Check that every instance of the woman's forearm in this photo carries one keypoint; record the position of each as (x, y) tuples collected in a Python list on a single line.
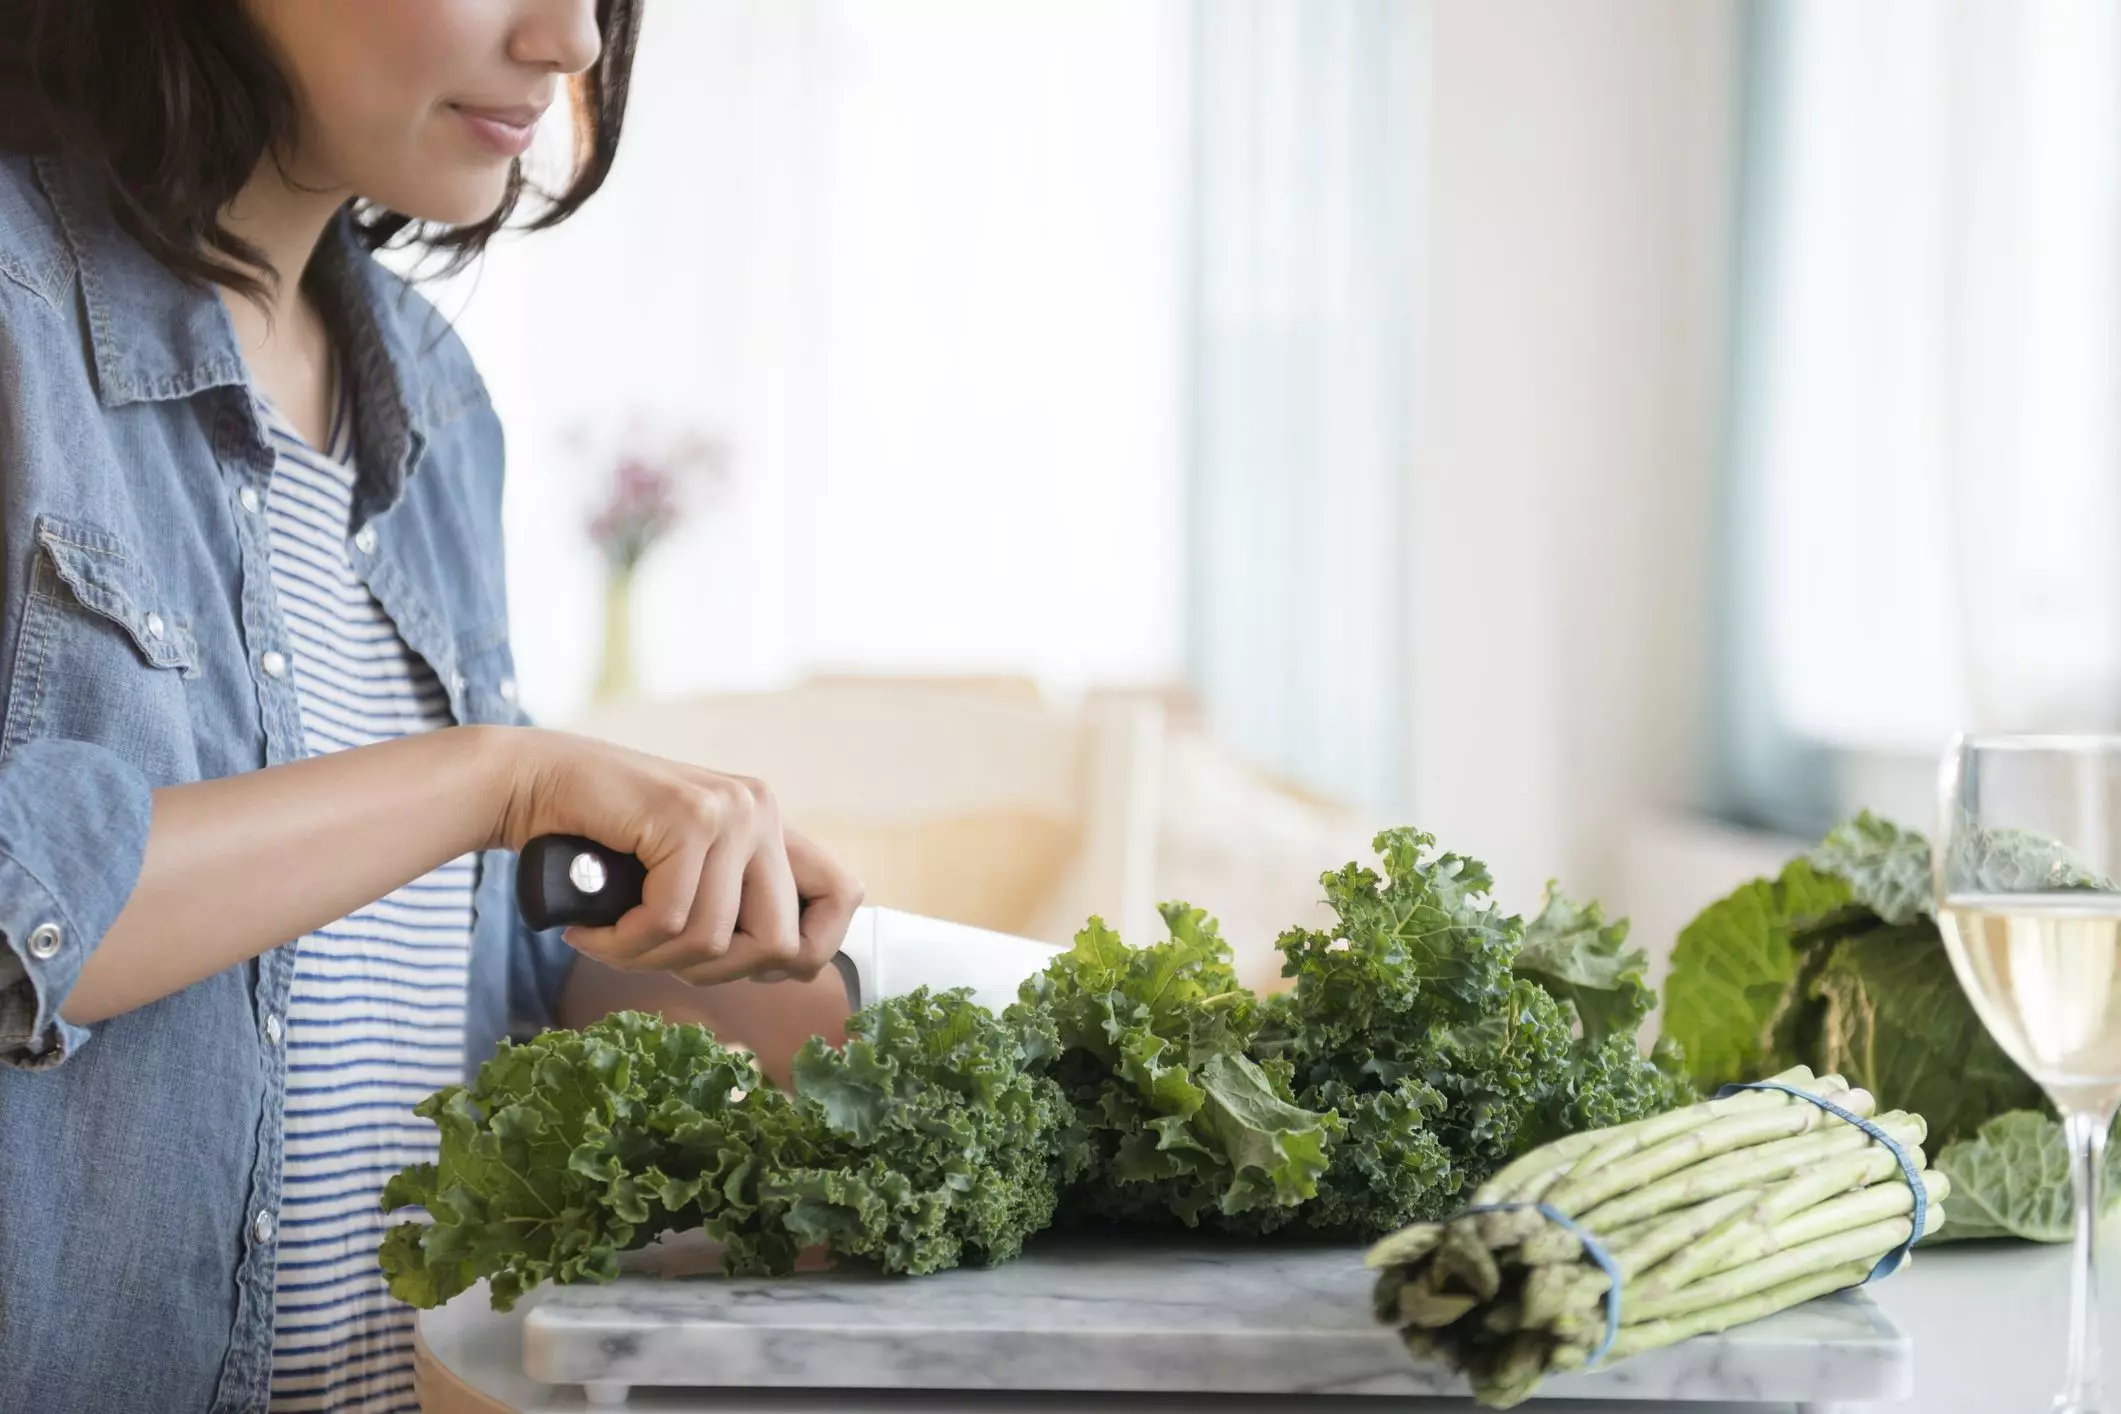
[(242, 864)]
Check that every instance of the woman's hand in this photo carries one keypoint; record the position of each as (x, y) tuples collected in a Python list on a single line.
[(731, 892)]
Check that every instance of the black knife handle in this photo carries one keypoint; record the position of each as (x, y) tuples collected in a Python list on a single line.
[(566, 879)]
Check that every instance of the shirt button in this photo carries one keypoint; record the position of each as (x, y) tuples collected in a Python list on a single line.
[(44, 942), (508, 689), (272, 1027), (154, 626), (274, 662), (249, 497), (261, 1226), (365, 539), (456, 684)]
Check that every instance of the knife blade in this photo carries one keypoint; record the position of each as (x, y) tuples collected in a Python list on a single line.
[(562, 880)]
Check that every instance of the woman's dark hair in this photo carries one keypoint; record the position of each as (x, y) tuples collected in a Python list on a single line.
[(174, 102)]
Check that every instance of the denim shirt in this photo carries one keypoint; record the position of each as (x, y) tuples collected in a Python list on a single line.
[(140, 1157)]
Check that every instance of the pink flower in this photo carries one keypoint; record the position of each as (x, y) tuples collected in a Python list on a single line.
[(643, 496)]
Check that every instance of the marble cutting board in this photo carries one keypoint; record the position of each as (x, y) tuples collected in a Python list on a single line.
[(1164, 1316)]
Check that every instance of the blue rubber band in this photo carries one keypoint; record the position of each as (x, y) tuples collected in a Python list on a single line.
[(1890, 1262), (1592, 1247)]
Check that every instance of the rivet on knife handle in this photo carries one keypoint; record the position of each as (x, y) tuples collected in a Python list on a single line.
[(566, 879)]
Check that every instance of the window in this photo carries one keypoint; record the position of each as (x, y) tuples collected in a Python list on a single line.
[(1926, 445)]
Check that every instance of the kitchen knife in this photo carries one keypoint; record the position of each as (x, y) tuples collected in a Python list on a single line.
[(567, 879)]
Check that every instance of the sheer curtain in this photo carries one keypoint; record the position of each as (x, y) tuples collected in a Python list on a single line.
[(1925, 450), (1306, 152)]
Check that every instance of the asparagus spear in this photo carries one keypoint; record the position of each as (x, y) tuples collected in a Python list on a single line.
[(1719, 1213), (1720, 1136), (1760, 1236), (1570, 1292), (1591, 1149), (1748, 1168)]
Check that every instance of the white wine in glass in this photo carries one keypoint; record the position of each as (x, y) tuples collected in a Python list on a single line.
[(2028, 844)]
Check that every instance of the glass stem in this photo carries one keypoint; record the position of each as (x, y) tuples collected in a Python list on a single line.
[(2085, 1393)]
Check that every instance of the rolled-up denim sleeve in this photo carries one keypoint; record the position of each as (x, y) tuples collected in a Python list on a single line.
[(537, 971), (74, 818)]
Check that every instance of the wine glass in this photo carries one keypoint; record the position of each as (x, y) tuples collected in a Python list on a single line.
[(2027, 851)]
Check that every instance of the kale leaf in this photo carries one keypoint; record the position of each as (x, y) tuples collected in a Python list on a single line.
[(939, 1146), (578, 1145), (1577, 957), (1170, 1115), (1450, 1038)]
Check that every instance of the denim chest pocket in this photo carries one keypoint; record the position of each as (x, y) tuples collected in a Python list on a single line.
[(102, 656)]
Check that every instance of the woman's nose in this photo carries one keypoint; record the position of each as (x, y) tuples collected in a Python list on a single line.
[(561, 35)]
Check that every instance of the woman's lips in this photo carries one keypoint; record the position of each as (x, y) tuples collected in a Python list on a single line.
[(506, 131)]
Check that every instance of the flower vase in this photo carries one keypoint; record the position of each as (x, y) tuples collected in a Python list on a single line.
[(615, 676)]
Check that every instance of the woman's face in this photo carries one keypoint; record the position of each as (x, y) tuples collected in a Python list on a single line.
[(420, 105)]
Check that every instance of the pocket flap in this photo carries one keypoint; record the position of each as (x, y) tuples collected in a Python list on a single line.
[(109, 580)]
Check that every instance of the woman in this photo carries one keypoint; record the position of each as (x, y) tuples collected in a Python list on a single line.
[(261, 762)]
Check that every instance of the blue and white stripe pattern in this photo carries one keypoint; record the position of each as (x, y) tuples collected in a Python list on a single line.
[(376, 1017)]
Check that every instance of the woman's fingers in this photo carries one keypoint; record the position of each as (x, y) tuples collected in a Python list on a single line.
[(767, 936), (707, 935), (668, 896), (828, 897), (770, 919), (829, 893)]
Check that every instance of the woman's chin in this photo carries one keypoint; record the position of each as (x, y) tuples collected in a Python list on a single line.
[(465, 201)]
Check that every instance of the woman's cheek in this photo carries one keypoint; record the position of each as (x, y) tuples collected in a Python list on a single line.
[(393, 133)]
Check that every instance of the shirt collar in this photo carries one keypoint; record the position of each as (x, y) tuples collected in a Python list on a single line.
[(155, 337), (152, 336), (379, 322)]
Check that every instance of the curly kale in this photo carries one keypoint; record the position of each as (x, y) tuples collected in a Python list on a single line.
[(1428, 1040), (941, 1147), (1446, 1035), (1579, 959), (922, 1143), (578, 1145), (1170, 1115), (1398, 1023)]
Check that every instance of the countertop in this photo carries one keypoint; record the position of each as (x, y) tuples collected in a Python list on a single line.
[(1987, 1322)]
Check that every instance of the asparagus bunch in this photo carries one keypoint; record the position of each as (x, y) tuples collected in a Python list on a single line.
[(1714, 1215)]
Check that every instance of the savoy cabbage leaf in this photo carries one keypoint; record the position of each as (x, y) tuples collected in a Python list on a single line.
[(2012, 1180), (1894, 1020), (1886, 867), (1839, 965), (1735, 970)]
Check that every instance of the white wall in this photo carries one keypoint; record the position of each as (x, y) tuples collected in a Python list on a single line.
[(917, 261), (1567, 411)]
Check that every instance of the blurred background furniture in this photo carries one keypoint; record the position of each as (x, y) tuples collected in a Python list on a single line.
[(972, 799), (981, 800)]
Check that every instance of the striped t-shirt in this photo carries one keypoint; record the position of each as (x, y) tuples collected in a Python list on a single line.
[(375, 1020)]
